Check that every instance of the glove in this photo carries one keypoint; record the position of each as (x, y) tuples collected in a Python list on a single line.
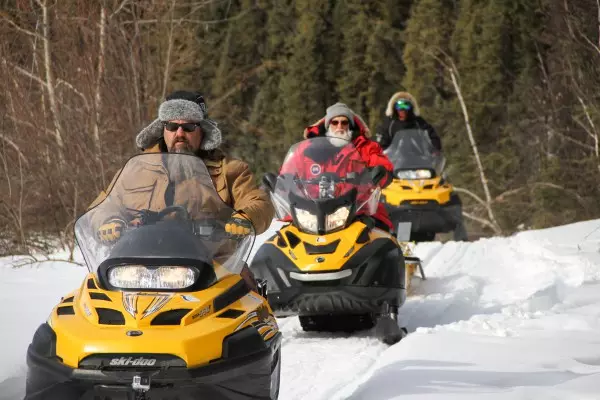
[(378, 174), (111, 230), (238, 225)]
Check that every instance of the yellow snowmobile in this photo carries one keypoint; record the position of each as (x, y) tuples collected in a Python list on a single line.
[(163, 312), (330, 265), (420, 194)]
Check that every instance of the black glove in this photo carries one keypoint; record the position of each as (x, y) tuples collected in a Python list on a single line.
[(379, 175), (268, 182)]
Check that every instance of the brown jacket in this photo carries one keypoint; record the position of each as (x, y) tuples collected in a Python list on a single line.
[(232, 179)]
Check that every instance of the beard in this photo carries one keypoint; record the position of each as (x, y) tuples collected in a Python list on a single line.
[(345, 135), (185, 149)]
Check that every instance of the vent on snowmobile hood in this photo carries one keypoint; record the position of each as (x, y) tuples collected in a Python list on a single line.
[(231, 313), (99, 296), (66, 310), (364, 236), (108, 316), (323, 249), (293, 239), (171, 317), (232, 294), (280, 241), (68, 300)]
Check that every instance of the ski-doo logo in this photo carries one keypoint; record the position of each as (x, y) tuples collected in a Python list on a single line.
[(132, 362)]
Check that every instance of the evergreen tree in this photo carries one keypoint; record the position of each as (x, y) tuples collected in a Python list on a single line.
[(304, 94), (268, 114)]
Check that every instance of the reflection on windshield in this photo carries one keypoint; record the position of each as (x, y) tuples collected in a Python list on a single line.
[(322, 181), (169, 210), (412, 149)]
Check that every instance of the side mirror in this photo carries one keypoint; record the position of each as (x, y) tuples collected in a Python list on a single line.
[(269, 179), (378, 173)]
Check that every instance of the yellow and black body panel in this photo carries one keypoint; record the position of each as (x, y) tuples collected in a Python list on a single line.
[(430, 205), (355, 270), (187, 345)]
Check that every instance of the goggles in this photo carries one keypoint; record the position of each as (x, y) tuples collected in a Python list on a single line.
[(403, 105)]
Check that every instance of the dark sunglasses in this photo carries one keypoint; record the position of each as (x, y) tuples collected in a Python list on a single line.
[(402, 105), (336, 122), (187, 126)]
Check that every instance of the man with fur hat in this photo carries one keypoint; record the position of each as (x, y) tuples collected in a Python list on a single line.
[(182, 126), (341, 122), (402, 112)]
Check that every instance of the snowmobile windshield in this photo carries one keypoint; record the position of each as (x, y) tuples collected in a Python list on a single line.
[(323, 183), (412, 150), (162, 211)]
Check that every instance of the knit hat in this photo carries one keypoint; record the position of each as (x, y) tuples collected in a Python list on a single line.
[(182, 105), (337, 110)]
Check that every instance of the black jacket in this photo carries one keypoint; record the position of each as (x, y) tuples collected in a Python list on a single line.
[(385, 131)]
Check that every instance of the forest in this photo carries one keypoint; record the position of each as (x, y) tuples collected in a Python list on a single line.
[(80, 78)]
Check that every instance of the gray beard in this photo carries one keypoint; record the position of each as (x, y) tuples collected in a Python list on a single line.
[(339, 139)]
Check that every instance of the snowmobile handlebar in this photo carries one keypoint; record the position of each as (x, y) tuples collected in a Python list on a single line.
[(212, 229)]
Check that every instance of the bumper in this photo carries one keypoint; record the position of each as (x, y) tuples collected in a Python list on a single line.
[(427, 218), (372, 277), (334, 300), (245, 377)]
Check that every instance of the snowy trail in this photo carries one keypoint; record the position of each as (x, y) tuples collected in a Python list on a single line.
[(501, 318), (513, 317)]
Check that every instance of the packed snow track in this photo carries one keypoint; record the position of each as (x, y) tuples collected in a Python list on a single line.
[(500, 318)]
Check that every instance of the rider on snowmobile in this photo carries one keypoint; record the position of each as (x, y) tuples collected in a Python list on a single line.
[(341, 122), (182, 126), (402, 112)]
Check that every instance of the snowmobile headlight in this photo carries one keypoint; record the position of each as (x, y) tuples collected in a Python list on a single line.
[(306, 220), (414, 174), (141, 277), (337, 218)]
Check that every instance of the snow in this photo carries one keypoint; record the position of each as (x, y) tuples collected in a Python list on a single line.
[(500, 318)]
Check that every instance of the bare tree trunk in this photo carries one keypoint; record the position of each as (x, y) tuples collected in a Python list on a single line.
[(598, 20), (167, 70), (98, 92), (136, 80), (99, 75), (482, 177), (50, 84)]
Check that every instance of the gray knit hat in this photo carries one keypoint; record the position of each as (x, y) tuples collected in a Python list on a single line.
[(337, 110), (186, 106)]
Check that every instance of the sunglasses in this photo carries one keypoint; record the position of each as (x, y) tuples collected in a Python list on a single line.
[(187, 126), (336, 122), (402, 105)]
